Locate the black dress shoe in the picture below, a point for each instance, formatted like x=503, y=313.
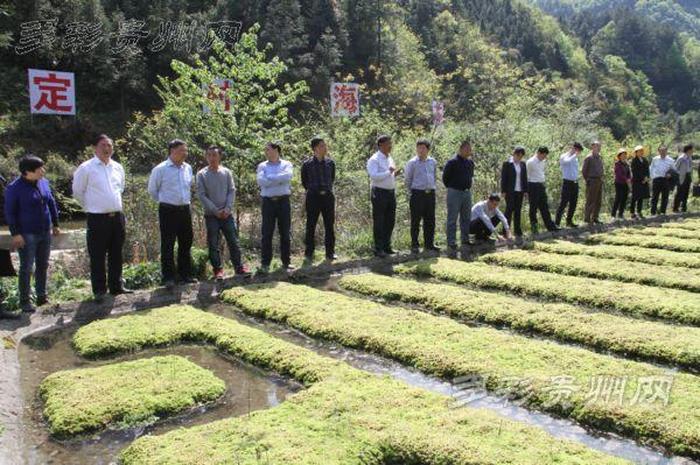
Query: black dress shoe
x=554, y=228
x=415, y=249
x=189, y=280
x=331, y=257
x=571, y=225
x=100, y=297
x=121, y=291
x=432, y=248
x=390, y=251
x=380, y=253
x=43, y=300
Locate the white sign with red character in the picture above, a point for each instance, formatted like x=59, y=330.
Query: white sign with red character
x=345, y=99
x=51, y=92
x=219, y=90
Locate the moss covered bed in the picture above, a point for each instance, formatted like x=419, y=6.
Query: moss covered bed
x=344, y=416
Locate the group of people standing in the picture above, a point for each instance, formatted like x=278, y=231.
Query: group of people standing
x=98, y=184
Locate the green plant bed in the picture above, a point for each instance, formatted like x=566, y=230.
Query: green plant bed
x=521, y=366
x=124, y=394
x=345, y=416
x=677, y=345
x=659, y=232
x=634, y=299
x=689, y=225
x=629, y=253
x=591, y=267
x=641, y=240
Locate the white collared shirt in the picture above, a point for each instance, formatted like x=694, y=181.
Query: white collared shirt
x=170, y=183
x=378, y=169
x=535, y=169
x=568, y=162
x=420, y=174
x=518, y=182
x=98, y=187
x=482, y=212
x=660, y=166
x=275, y=179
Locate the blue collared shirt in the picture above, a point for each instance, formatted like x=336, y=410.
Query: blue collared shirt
x=275, y=179
x=170, y=183
x=569, y=166
x=420, y=174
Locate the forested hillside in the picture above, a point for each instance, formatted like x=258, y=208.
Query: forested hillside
x=631, y=68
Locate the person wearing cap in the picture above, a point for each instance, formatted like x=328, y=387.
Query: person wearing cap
x=514, y=188
x=661, y=172
x=274, y=177
x=98, y=185
x=32, y=216
x=317, y=178
x=623, y=182
x=457, y=176
x=382, y=173
x=170, y=184
x=568, y=162
x=420, y=173
x=537, y=190
x=592, y=172
x=640, y=181
x=485, y=217
x=684, y=168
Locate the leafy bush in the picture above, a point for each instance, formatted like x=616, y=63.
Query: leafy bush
x=144, y=275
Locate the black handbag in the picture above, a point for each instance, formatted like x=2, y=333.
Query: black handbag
x=696, y=190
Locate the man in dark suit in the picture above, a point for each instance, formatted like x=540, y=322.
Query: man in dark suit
x=514, y=187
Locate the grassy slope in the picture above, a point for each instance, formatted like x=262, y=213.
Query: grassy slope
x=124, y=394
x=346, y=416
x=635, y=299
x=679, y=345
x=630, y=253
x=590, y=267
x=445, y=348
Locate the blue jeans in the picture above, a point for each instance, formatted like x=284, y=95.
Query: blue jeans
x=37, y=248
x=228, y=228
x=459, y=206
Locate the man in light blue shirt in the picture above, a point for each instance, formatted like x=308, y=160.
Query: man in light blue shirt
x=170, y=185
x=274, y=178
x=420, y=182
x=568, y=162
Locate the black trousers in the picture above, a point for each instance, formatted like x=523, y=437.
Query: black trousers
x=276, y=211
x=383, y=217
x=105, y=238
x=569, y=197
x=659, y=187
x=422, y=205
x=622, y=190
x=538, y=201
x=514, y=207
x=480, y=230
x=680, y=201
x=175, y=225
x=320, y=205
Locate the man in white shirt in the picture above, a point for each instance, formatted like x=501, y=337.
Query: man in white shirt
x=98, y=185
x=568, y=162
x=419, y=176
x=274, y=177
x=684, y=168
x=485, y=216
x=537, y=190
x=661, y=171
x=382, y=174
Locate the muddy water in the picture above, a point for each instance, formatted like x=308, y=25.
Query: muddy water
x=248, y=389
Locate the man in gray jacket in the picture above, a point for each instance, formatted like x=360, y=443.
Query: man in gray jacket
x=216, y=191
x=684, y=168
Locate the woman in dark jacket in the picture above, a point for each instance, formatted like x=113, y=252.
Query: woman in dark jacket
x=640, y=182
x=623, y=180
x=31, y=214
